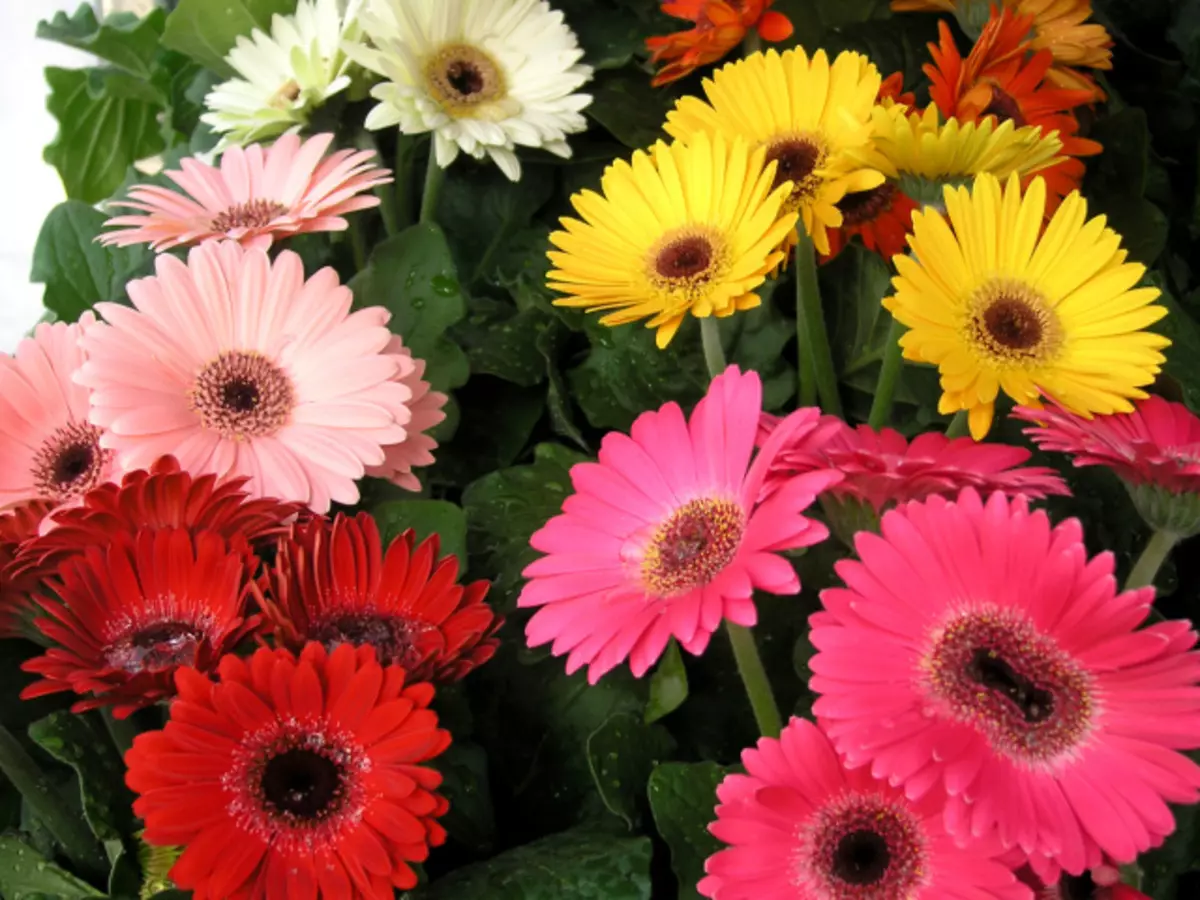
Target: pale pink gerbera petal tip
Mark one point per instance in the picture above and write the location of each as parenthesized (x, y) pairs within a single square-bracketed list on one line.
[(255, 195), (977, 648), (237, 365), (48, 449), (417, 448), (800, 826), (665, 535)]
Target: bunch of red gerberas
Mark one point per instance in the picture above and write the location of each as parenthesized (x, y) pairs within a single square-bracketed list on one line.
[(297, 658)]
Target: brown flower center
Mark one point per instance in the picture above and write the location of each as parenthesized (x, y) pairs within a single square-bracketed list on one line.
[(1004, 107), (161, 645), (463, 78), (251, 214), (1011, 324), (692, 546), (395, 639), (242, 394), (797, 159), (285, 96), (69, 462), (688, 257), (861, 207)]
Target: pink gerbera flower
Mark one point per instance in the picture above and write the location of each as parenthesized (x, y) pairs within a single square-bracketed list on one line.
[(258, 193), (426, 410), (803, 827), (237, 365), (977, 648), (48, 449), (665, 535)]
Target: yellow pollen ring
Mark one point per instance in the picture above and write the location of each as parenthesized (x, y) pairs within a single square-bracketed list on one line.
[(1010, 323), (465, 80), (692, 546)]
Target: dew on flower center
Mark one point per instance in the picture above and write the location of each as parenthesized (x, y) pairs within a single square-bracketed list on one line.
[(301, 783), (242, 394), (1004, 107), (251, 214), (692, 546), (866, 206), (463, 78), (394, 638), (1008, 322), (796, 158), (69, 462), (160, 645), (1030, 699)]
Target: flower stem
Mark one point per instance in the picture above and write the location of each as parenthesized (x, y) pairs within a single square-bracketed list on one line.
[(754, 677), (434, 176), (1154, 554), (710, 336), (358, 245), (813, 337), (406, 152), (752, 42), (960, 425), (889, 378), (67, 825)]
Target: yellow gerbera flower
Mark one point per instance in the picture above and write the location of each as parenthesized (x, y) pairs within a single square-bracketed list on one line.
[(684, 228), (925, 154), (997, 304), (807, 114)]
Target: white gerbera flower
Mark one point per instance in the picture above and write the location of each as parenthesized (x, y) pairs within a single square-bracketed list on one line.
[(483, 75), (284, 75)]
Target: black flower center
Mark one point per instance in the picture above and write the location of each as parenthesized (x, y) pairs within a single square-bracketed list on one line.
[(990, 671), (794, 159), (1013, 324), (73, 462), (861, 857), (69, 462), (302, 784), (866, 206), (162, 645), (464, 76), (394, 638), (684, 258), (1078, 887), (240, 395)]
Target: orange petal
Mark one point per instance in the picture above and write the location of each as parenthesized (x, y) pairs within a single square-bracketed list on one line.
[(774, 26)]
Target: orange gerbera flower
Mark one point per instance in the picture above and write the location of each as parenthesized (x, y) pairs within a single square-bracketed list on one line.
[(1001, 78), (720, 26)]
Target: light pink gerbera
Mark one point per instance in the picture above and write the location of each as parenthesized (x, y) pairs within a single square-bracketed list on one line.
[(665, 535), (803, 827), (236, 364), (48, 449), (426, 410), (978, 649), (256, 195)]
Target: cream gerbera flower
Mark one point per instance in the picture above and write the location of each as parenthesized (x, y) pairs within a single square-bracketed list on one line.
[(483, 75), (285, 75)]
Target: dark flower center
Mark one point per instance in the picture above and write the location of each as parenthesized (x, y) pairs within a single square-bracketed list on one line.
[(795, 160), (692, 546), (69, 462), (1012, 323), (462, 77), (1077, 887), (303, 784), (861, 857), (394, 638), (990, 671), (1004, 108), (687, 257), (866, 206), (242, 394), (239, 395), (251, 214), (162, 645)]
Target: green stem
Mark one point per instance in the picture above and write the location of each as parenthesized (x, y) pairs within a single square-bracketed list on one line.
[(813, 337), (960, 425), (752, 42), (1155, 553), (406, 152), (710, 336), (754, 677), (67, 825), (435, 175), (122, 731), (358, 245), (889, 378)]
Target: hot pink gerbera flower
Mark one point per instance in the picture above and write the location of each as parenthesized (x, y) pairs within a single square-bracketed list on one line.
[(978, 648), (803, 827), (236, 364), (665, 535), (257, 194), (426, 410), (48, 449), (1155, 450)]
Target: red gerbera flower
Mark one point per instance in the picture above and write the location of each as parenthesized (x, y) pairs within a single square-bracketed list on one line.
[(294, 777), (1003, 78), (17, 526), (332, 583), (720, 26), (123, 617)]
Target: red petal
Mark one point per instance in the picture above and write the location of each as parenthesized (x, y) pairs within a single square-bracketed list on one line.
[(775, 26)]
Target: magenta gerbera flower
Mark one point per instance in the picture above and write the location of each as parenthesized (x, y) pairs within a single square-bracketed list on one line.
[(665, 535), (803, 827), (236, 364), (258, 193), (977, 648)]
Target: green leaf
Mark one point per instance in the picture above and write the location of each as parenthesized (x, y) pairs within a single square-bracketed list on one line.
[(1184, 333), (897, 44), (206, 30), (99, 135), (621, 754), (425, 517), (668, 684), (264, 10), (471, 819), (501, 341), (573, 865), (498, 419), (609, 35), (633, 112), (77, 271), (24, 871), (683, 798), (124, 39), (412, 275), (1180, 853)]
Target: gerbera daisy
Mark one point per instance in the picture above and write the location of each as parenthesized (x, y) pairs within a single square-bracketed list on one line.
[(803, 826), (998, 303), (484, 76), (665, 535), (17, 526), (1155, 450), (332, 582), (425, 407), (720, 26), (237, 365), (684, 228), (293, 777), (257, 195), (123, 617), (48, 449), (925, 154), (977, 648), (809, 115), (285, 75), (1000, 79)]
